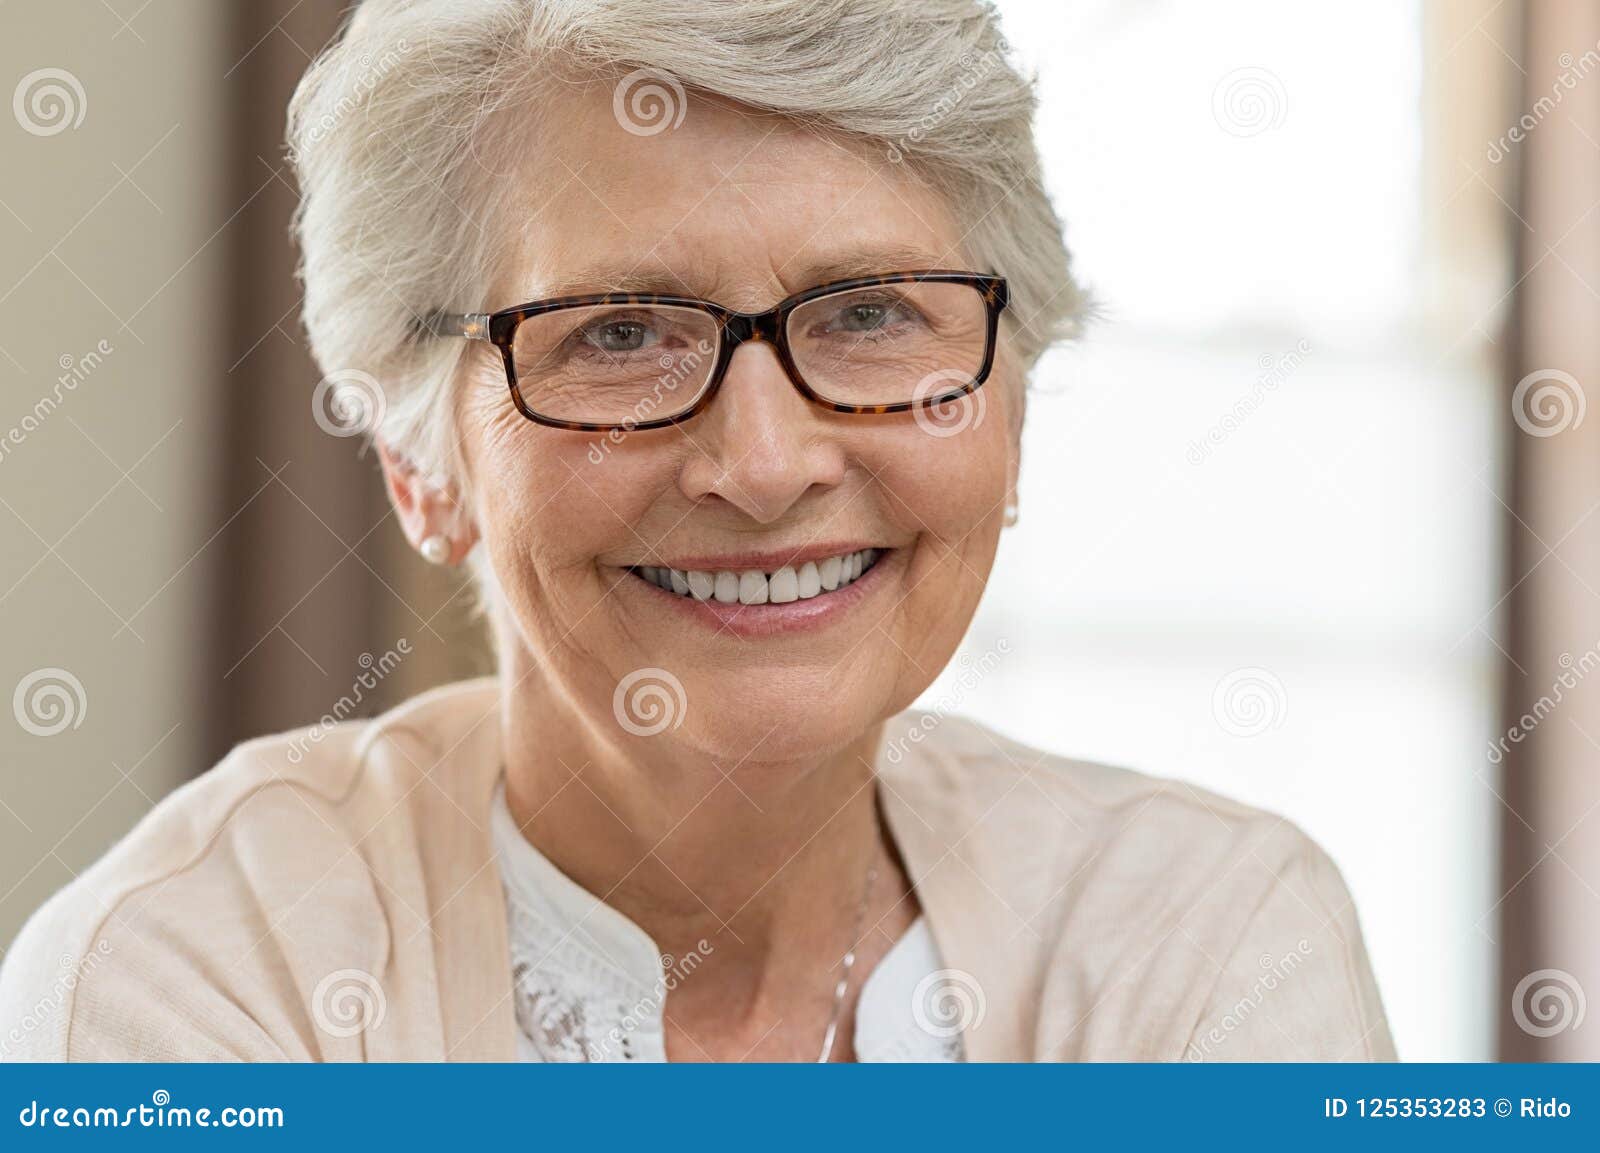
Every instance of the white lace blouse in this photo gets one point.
(590, 985)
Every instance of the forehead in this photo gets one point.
(732, 204)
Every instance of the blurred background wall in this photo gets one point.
(1306, 519)
(111, 188)
(193, 552)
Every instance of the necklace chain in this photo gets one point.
(846, 964)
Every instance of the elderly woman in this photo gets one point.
(703, 332)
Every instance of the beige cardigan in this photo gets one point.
(1100, 914)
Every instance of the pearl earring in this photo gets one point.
(1010, 514)
(435, 549)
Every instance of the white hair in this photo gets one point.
(393, 128)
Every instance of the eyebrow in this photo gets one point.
(659, 282)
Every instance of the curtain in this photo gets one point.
(1549, 742)
(320, 607)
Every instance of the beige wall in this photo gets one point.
(105, 235)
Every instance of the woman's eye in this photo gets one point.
(870, 317)
(863, 317)
(618, 336)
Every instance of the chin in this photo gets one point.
(781, 724)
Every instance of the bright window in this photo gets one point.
(1264, 466)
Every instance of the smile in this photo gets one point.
(780, 586)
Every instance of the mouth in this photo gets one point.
(770, 595)
(755, 586)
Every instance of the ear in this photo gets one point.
(425, 508)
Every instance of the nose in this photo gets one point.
(763, 445)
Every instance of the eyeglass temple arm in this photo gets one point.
(472, 325)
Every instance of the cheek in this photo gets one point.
(549, 502)
(949, 491)
(523, 494)
(948, 481)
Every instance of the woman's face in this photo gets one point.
(742, 209)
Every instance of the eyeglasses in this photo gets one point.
(624, 360)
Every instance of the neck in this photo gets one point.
(675, 837)
(767, 859)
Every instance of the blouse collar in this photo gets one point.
(591, 985)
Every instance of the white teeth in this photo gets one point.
(808, 580)
(783, 587)
(751, 587)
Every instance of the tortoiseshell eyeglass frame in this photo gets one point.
(735, 328)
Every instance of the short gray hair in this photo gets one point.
(389, 133)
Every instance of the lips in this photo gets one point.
(767, 602)
(756, 586)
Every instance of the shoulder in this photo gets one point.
(1141, 903)
(1049, 812)
(187, 917)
